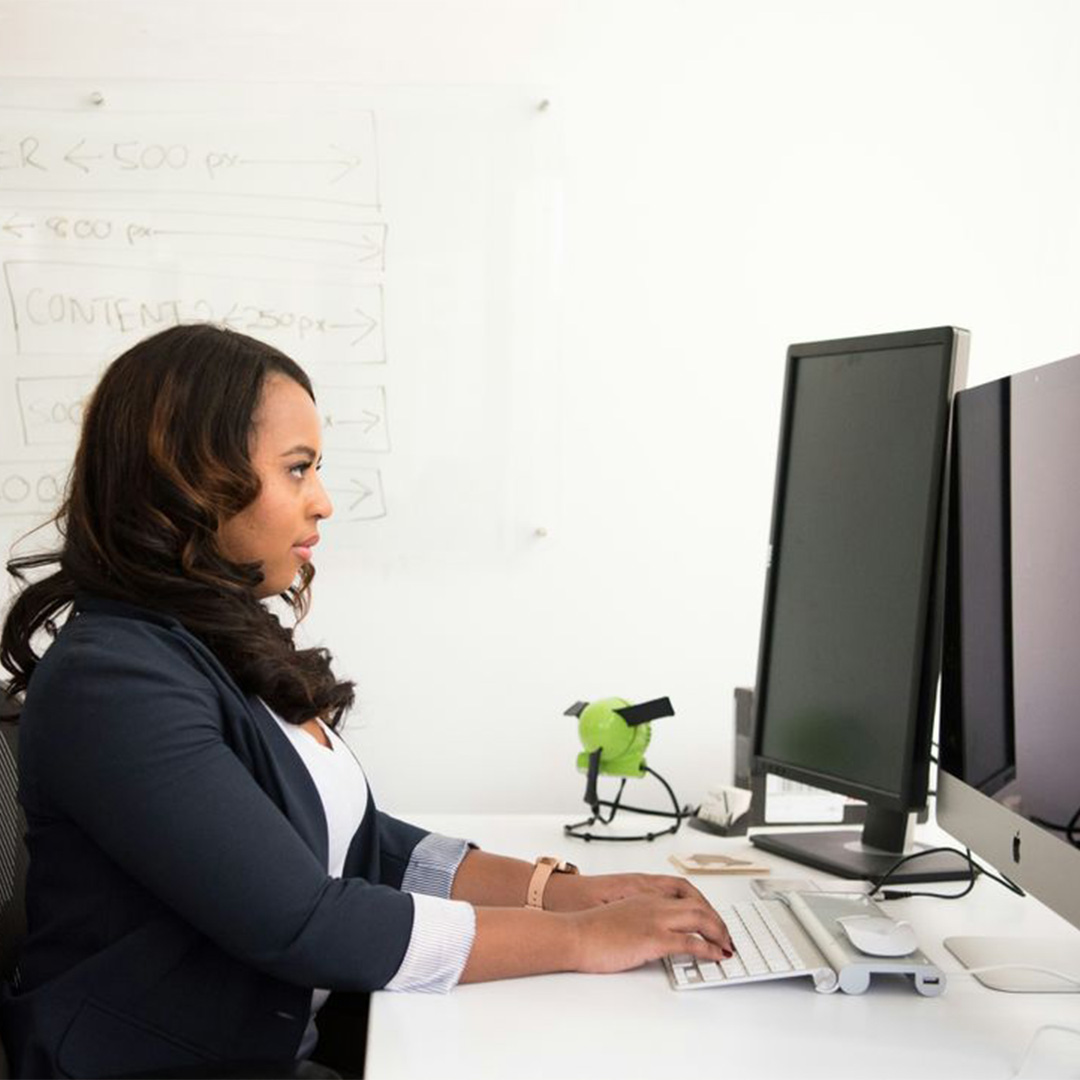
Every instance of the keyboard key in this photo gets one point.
(733, 968)
(762, 950)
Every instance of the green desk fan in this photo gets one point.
(615, 735)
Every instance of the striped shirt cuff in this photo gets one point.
(433, 864)
(442, 937)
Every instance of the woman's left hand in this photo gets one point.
(576, 892)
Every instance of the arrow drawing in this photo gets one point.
(364, 327)
(345, 163)
(372, 249)
(12, 226)
(364, 493)
(367, 246)
(350, 161)
(229, 318)
(77, 160)
(369, 421)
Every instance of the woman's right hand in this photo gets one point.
(630, 932)
(616, 936)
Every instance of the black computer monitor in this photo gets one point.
(1009, 782)
(850, 639)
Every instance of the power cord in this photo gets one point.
(1071, 831)
(1064, 976)
(974, 870)
(1035, 1038)
(616, 804)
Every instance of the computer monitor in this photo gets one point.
(1009, 782)
(850, 638)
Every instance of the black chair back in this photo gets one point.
(13, 856)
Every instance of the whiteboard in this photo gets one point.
(393, 241)
(400, 243)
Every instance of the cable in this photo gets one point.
(894, 894)
(1069, 830)
(1035, 1038)
(973, 867)
(1064, 976)
(617, 804)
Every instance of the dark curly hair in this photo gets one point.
(163, 461)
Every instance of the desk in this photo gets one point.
(632, 1025)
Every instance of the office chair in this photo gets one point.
(12, 855)
(13, 863)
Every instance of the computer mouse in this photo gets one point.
(878, 935)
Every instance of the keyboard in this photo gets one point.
(769, 944)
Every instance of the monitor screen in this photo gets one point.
(1010, 739)
(1012, 683)
(849, 660)
(852, 566)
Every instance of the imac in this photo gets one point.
(851, 630)
(1009, 780)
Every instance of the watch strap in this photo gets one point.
(544, 867)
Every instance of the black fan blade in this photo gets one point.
(577, 708)
(590, 781)
(646, 711)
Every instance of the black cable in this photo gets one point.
(671, 795)
(616, 804)
(904, 894)
(1069, 830)
(1004, 881)
(973, 867)
(597, 816)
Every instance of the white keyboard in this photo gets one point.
(769, 944)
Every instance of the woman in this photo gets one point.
(206, 860)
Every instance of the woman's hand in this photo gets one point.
(626, 933)
(614, 936)
(578, 892)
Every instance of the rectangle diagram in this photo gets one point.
(164, 234)
(51, 408)
(323, 158)
(73, 308)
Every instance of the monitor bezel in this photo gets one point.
(1037, 860)
(953, 746)
(913, 779)
(1032, 857)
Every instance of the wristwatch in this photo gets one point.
(546, 865)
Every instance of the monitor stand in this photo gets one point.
(848, 853)
(1051, 954)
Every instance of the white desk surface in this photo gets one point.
(633, 1025)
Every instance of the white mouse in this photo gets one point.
(878, 935)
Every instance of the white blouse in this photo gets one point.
(341, 784)
(443, 929)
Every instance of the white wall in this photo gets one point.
(736, 177)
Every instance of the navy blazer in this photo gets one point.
(179, 905)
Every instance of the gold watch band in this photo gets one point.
(545, 866)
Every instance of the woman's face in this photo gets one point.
(280, 527)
